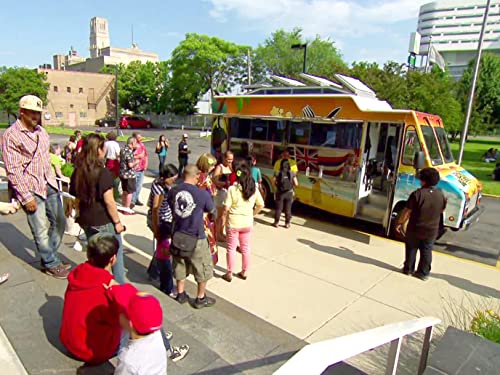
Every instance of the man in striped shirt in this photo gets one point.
(25, 149)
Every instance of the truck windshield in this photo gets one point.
(445, 145)
(432, 145)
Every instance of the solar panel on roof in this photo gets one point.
(287, 81)
(320, 81)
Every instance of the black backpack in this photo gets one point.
(284, 181)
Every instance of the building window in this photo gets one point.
(68, 89)
(83, 114)
(80, 90)
(71, 106)
(92, 106)
(56, 89)
(59, 115)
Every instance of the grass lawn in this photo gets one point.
(474, 149)
(70, 131)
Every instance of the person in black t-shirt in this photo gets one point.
(496, 173)
(183, 154)
(92, 184)
(423, 210)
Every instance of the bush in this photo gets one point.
(487, 325)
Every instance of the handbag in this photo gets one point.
(183, 245)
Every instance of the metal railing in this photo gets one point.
(316, 358)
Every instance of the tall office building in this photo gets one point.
(453, 28)
(99, 36)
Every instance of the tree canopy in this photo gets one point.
(16, 82)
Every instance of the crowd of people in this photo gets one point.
(192, 209)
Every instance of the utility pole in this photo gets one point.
(249, 66)
(473, 85)
(304, 47)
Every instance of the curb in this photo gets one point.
(9, 361)
(491, 196)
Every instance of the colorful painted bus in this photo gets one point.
(356, 155)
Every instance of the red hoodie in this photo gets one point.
(90, 327)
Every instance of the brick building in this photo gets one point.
(78, 98)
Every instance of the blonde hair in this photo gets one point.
(206, 162)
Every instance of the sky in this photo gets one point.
(363, 30)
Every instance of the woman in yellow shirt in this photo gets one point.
(242, 203)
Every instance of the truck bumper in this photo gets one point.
(473, 218)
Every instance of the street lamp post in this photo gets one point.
(304, 47)
(473, 85)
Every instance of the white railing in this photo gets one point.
(316, 358)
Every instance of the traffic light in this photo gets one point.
(412, 59)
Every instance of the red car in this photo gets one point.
(134, 122)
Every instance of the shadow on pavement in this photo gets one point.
(468, 285)
(23, 247)
(51, 314)
(488, 257)
(347, 254)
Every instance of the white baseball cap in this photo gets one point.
(185, 135)
(31, 102)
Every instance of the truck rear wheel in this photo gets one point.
(267, 193)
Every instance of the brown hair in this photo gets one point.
(205, 162)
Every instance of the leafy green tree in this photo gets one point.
(16, 82)
(201, 63)
(486, 108)
(276, 56)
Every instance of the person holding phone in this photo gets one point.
(92, 185)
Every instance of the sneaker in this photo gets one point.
(406, 272)
(169, 335)
(138, 203)
(58, 272)
(132, 206)
(179, 352)
(204, 302)
(287, 225)
(182, 298)
(421, 276)
(275, 225)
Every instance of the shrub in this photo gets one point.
(487, 325)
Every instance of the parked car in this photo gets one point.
(134, 122)
(107, 122)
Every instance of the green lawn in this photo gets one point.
(474, 149)
(70, 131)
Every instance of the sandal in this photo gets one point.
(241, 275)
(227, 277)
(4, 278)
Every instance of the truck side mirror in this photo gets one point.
(419, 160)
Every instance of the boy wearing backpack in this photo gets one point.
(285, 180)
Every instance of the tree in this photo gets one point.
(276, 56)
(16, 82)
(201, 63)
(486, 107)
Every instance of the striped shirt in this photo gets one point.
(27, 161)
(165, 213)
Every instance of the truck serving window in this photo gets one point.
(445, 145)
(432, 145)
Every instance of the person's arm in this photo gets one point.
(217, 177)
(295, 180)
(109, 201)
(132, 162)
(16, 176)
(167, 143)
(158, 148)
(155, 212)
(209, 206)
(405, 215)
(259, 203)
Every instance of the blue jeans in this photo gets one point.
(183, 161)
(47, 225)
(166, 275)
(139, 179)
(118, 268)
(412, 244)
(162, 159)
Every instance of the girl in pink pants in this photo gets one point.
(242, 203)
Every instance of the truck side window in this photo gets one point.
(411, 146)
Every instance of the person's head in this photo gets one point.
(285, 153)
(30, 110)
(429, 177)
(252, 160)
(142, 315)
(191, 174)
(78, 134)
(162, 139)
(245, 179)
(168, 174)
(55, 149)
(88, 165)
(206, 163)
(72, 139)
(102, 249)
(137, 136)
(185, 137)
(285, 165)
(228, 159)
(111, 136)
(131, 142)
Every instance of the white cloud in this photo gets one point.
(336, 18)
